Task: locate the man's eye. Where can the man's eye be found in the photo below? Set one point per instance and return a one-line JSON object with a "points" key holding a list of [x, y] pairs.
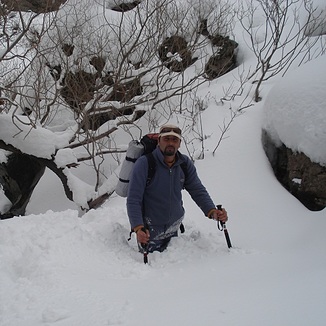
{"points": [[173, 139]]}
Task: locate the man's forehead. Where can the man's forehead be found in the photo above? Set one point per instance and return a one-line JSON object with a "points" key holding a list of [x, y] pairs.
{"points": [[170, 137]]}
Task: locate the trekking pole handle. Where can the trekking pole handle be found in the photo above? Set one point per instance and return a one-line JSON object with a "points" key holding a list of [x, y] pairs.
{"points": [[145, 248], [224, 229], [219, 207]]}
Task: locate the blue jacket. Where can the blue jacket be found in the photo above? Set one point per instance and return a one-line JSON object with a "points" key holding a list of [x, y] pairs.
{"points": [[159, 205]]}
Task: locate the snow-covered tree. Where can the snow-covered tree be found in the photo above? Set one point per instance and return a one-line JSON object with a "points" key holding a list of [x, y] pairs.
{"points": [[76, 79]]}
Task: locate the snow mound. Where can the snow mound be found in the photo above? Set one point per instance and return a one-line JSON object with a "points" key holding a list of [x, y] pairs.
{"points": [[295, 111]]}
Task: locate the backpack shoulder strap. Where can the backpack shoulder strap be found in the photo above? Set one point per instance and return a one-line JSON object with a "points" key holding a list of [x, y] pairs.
{"points": [[183, 166], [151, 168]]}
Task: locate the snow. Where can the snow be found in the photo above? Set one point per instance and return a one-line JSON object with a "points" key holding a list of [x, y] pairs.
{"points": [[58, 267], [295, 110], [39, 142], [64, 157], [319, 14]]}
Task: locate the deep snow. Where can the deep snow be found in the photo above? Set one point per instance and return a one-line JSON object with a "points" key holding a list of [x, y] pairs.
{"points": [[58, 267]]}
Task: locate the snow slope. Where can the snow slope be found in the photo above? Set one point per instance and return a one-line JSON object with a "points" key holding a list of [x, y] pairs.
{"points": [[58, 268]]}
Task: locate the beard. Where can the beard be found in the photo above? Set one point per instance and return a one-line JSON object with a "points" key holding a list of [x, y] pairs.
{"points": [[169, 151]]}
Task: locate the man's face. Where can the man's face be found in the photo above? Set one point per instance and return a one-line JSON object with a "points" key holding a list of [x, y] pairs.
{"points": [[169, 145]]}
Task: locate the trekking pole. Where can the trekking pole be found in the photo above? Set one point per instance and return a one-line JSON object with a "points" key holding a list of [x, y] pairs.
{"points": [[224, 229], [145, 253], [143, 247]]}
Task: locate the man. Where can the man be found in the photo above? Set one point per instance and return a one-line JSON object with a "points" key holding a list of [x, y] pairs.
{"points": [[156, 210]]}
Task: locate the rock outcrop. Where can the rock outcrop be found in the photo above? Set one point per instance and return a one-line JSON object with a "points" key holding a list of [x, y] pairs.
{"points": [[303, 178], [37, 6]]}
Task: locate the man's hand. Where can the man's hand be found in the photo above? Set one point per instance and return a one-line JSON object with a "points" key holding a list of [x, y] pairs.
{"points": [[142, 235], [219, 215]]}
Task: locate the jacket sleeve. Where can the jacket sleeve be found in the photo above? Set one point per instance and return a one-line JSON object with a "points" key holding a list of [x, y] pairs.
{"points": [[136, 190], [196, 189]]}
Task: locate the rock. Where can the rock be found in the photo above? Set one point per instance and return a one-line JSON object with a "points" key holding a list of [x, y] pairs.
{"points": [[225, 58], [304, 179], [37, 6], [125, 6], [78, 88], [18, 177], [174, 53]]}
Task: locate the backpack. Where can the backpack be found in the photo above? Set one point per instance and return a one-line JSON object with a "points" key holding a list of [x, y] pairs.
{"points": [[135, 150]]}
